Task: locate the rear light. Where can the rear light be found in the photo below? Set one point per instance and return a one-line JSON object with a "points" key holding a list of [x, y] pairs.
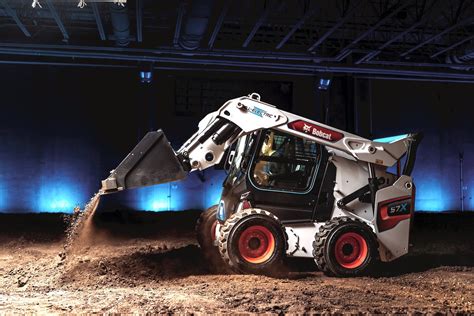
{"points": [[246, 204]]}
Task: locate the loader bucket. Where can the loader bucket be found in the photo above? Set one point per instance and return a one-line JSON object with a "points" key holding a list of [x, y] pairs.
{"points": [[151, 162]]}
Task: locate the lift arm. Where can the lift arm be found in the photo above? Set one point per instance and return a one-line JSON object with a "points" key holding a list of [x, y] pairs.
{"points": [[244, 115]]}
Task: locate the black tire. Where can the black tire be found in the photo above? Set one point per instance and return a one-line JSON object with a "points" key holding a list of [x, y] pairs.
{"points": [[253, 241], [205, 227], [345, 247]]}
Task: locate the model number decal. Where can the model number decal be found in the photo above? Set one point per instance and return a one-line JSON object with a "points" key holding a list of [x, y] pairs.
{"points": [[399, 208], [316, 130]]}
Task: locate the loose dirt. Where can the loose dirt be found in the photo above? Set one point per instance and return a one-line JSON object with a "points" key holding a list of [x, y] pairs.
{"points": [[80, 229], [147, 262]]}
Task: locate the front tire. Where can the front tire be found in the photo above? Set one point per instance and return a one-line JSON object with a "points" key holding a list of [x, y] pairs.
{"points": [[206, 235], [253, 241], [345, 247]]}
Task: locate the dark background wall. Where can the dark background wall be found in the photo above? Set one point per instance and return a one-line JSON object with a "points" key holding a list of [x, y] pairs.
{"points": [[444, 112], [63, 129]]}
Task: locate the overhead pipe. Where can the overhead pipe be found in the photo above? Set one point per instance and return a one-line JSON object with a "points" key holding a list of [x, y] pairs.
{"points": [[293, 67], [195, 25], [120, 24], [220, 70]]}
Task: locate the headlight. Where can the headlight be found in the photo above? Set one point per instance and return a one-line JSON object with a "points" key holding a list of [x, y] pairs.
{"points": [[221, 211]]}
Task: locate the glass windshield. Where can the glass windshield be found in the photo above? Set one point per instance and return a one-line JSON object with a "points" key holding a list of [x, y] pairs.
{"points": [[284, 162], [241, 148]]}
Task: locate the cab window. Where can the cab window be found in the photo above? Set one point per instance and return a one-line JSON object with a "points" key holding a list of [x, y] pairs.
{"points": [[284, 162], [242, 148]]}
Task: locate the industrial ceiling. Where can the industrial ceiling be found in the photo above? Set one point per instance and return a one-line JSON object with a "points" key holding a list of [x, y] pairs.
{"points": [[413, 39]]}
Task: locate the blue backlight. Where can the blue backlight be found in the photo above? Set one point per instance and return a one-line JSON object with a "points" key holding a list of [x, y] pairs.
{"points": [[390, 139], [60, 205], [3, 196], [58, 195], [187, 194], [159, 205], [430, 196], [154, 198]]}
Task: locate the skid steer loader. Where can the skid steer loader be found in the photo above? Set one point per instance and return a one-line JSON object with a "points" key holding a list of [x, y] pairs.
{"points": [[295, 188]]}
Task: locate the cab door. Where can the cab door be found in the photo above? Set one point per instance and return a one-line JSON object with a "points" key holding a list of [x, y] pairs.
{"points": [[284, 175]]}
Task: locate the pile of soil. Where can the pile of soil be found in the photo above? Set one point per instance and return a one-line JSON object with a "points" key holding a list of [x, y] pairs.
{"points": [[150, 262]]}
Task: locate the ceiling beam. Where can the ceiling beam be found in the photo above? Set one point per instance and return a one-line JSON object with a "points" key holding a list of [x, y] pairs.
{"points": [[57, 19], [221, 70], [374, 53], [453, 46], [436, 36], [179, 22], [335, 27], [388, 68], [14, 16], [388, 15], [421, 19], [260, 21], [257, 25], [219, 23], [295, 27], [98, 21]]}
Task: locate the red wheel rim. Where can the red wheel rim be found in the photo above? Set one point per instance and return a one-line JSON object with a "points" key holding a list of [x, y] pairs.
{"points": [[256, 244], [351, 250], [213, 230]]}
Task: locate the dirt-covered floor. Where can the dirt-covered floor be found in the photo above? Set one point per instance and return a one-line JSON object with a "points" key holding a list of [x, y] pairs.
{"points": [[149, 262]]}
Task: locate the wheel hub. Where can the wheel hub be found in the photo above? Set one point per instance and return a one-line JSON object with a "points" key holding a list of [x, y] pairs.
{"points": [[347, 249], [256, 244], [351, 250]]}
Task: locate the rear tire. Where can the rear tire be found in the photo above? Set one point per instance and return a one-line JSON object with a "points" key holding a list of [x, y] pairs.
{"points": [[253, 241], [205, 233], [345, 247]]}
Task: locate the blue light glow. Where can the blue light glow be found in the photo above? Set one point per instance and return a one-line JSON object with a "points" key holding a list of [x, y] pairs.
{"points": [[155, 198], [214, 189], [187, 194], [159, 205], [58, 195], [468, 200], [3, 196], [60, 205], [390, 139], [430, 196]]}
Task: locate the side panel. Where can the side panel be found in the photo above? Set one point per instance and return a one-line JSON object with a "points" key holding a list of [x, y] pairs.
{"points": [[351, 176], [300, 239], [392, 222]]}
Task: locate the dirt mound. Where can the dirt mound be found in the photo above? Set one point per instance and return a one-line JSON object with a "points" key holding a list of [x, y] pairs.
{"points": [[142, 266]]}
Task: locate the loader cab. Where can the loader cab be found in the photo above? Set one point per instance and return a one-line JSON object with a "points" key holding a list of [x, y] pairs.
{"points": [[279, 172]]}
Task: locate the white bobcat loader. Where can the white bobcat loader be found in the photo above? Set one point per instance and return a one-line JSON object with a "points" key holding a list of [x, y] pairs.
{"points": [[295, 188]]}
